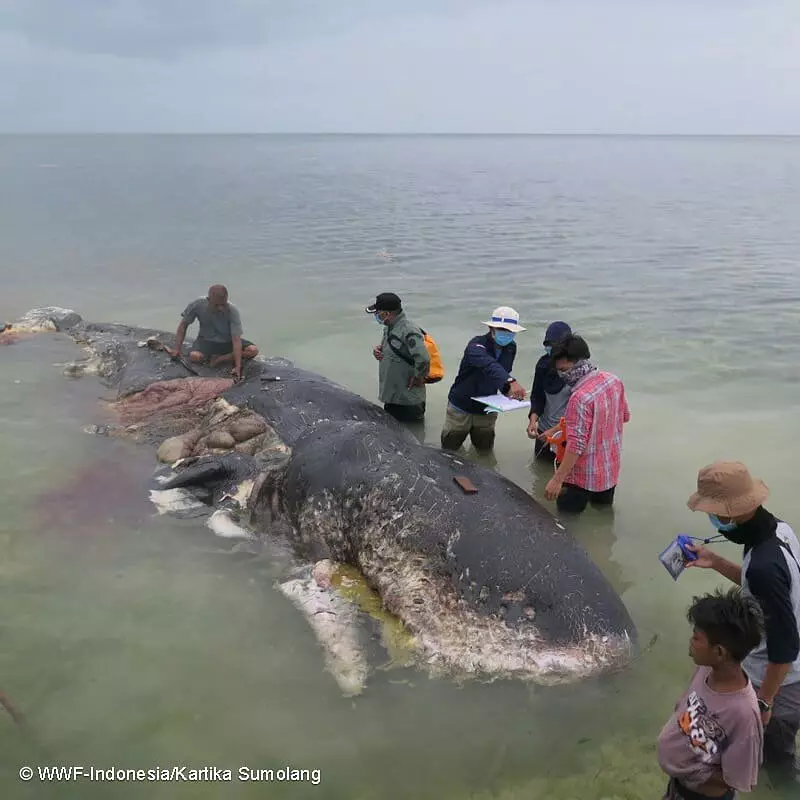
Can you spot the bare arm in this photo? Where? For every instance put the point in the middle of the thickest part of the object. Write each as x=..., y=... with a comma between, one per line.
x=579, y=419
x=729, y=570
x=565, y=467
x=773, y=679
x=180, y=335
x=237, y=354
x=708, y=559
x=554, y=485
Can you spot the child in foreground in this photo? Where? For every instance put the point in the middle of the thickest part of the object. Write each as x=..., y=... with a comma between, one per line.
x=712, y=744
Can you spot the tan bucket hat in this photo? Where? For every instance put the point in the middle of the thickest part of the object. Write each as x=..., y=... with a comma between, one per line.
x=726, y=489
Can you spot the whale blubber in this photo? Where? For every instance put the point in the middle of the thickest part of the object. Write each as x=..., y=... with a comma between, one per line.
x=399, y=642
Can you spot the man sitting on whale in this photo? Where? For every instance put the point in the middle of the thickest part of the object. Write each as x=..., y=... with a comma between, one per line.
x=219, y=339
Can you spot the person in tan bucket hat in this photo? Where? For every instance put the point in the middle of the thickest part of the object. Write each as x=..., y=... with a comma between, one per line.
x=770, y=572
x=725, y=489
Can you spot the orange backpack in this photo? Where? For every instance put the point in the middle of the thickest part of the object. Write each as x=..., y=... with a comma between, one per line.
x=436, y=371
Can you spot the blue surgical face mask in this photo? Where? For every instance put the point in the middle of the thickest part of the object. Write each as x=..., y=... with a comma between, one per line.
x=548, y=349
x=721, y=526
x=378, y=319
x=503, y=337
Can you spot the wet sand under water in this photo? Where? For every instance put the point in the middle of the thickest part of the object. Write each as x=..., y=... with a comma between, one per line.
x=138, y=641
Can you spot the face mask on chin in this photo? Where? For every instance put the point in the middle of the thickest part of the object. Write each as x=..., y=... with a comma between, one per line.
x=379, y=319
x=730, y=530
x=722, y=527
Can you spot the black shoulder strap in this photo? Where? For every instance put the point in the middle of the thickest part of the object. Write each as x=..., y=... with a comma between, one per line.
x=407, y=359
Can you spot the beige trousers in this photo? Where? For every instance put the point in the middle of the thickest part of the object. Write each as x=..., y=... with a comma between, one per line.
x=457, y=426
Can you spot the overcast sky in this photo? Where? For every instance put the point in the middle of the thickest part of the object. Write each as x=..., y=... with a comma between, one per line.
x=640, y=66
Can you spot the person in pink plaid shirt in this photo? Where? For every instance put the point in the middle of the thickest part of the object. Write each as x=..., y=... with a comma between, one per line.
x=596, y=411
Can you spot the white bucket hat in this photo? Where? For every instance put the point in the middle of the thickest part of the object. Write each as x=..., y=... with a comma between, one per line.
x=505, y=317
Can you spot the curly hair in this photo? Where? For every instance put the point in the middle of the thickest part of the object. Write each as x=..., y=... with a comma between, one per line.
x=730, y=619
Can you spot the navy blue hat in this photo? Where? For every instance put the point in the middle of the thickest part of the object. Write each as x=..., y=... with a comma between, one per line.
x=556, y=331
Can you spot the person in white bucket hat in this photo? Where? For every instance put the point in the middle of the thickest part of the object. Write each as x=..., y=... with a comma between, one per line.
x=505, y=318
x=485, y=369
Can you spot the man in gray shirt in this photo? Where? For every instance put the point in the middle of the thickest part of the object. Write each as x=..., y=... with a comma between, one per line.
x=219, y=340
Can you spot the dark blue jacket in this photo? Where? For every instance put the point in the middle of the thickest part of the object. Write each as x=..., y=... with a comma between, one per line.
x=545, y=381
x=481, y=373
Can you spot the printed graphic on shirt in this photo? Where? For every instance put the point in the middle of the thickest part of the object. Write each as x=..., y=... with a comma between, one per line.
x=706, y=736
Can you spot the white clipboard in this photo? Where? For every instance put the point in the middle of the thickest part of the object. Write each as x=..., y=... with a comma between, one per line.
x=500, y=403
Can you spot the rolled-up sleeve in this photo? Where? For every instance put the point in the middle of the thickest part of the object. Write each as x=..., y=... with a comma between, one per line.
x=579, y=416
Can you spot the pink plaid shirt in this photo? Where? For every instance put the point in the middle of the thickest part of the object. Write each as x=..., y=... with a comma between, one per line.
x=596, y=412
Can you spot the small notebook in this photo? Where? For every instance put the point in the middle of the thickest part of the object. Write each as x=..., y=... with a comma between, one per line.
x=499, y=402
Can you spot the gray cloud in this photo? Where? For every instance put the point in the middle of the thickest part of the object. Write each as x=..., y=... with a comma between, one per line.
x=168, y=28
x=149, y=27
x=428, y=65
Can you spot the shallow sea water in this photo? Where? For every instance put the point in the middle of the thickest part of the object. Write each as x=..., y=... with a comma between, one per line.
x=134, y=640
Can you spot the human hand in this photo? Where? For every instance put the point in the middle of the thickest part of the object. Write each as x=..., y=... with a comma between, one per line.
x=516, y=391
x=765, y=717
x=415, y=382
x=378, y=353
x=170, y=352
x=548, y=432
x=553, y=488
x=533, y=427
x=237, y=373
x=705, y=558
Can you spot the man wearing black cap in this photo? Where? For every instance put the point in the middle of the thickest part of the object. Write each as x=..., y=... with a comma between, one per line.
x=549, y=394
x=403, y=360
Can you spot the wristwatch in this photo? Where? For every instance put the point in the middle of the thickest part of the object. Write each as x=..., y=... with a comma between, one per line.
x=764, y=706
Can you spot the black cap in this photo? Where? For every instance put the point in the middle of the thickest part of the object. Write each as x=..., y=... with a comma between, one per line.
x=388, y=301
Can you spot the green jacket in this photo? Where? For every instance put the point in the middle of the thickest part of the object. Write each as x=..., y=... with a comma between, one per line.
x=394, y=372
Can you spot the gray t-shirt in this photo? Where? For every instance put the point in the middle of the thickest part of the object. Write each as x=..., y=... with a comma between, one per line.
x=555, y=407
x=215, y=326
x=713, y=734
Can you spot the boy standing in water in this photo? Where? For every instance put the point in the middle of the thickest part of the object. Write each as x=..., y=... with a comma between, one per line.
x=712, y=744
